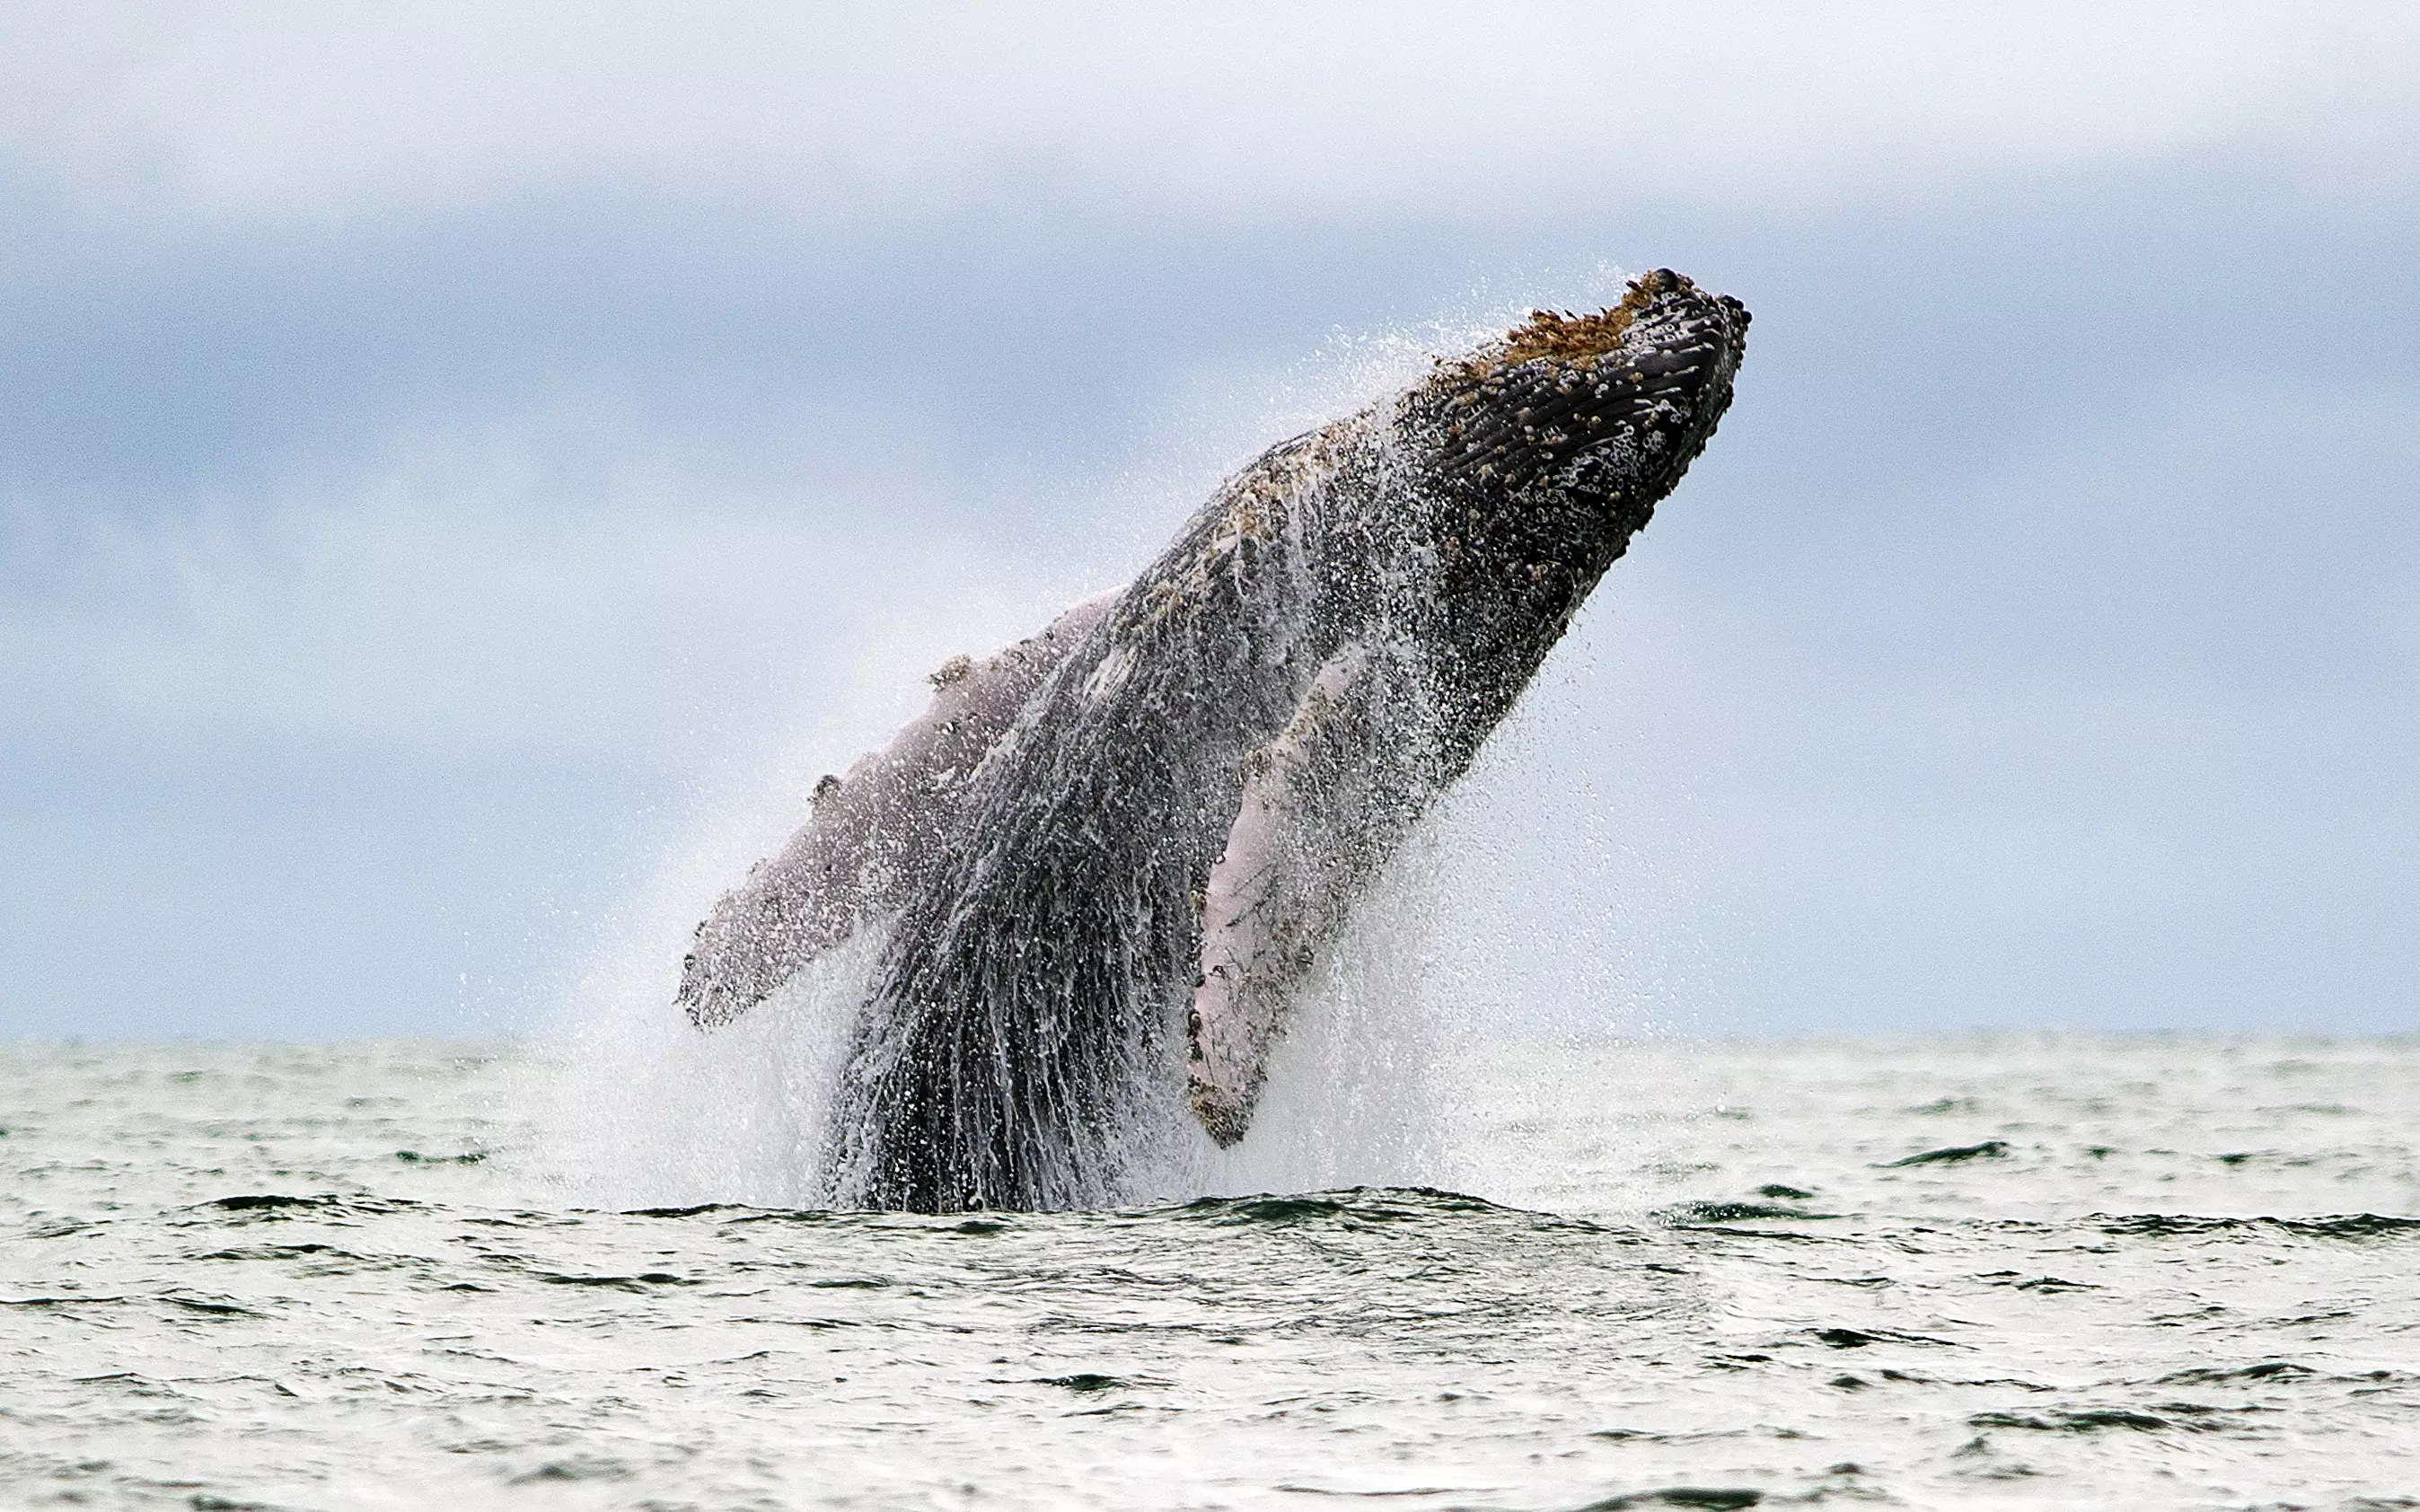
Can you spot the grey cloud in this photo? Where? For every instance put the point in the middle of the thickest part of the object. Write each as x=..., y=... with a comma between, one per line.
x=301, y=115
x=553, y=589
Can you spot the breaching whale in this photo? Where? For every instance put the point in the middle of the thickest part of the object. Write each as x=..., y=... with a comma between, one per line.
x=1105, y=860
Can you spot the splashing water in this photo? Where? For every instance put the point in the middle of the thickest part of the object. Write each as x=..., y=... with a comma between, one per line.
x=1374, y=1082
x=1259, y=723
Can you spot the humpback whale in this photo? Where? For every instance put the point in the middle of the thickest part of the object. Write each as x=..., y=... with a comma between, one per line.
x=1109, y=858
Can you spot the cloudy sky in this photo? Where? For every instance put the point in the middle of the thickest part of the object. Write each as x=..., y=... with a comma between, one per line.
x=464, y=468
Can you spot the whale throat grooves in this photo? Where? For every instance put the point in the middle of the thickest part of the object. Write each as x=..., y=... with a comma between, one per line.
x=1109, y=857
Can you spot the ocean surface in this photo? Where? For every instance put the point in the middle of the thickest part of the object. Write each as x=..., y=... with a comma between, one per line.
x=2022, y=1270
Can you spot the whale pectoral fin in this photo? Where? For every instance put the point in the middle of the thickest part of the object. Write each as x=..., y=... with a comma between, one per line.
x=872, y=834
x=1324, y=804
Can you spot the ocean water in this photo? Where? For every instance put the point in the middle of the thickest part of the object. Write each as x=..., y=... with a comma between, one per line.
x=2029, y=1271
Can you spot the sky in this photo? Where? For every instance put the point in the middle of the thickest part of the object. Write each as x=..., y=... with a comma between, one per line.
x=465, y=469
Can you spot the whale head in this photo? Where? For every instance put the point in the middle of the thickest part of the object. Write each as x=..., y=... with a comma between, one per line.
x=1585, y=420
x=1540, y=455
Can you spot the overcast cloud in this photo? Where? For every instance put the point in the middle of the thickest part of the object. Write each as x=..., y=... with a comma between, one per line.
x=301, y=112
x=461, y=465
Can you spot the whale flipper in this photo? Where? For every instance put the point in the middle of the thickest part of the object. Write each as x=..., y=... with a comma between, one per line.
x=1324, y=804
x=872, y=833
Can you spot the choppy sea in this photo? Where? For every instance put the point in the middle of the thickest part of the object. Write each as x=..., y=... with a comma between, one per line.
x=2022, y=1270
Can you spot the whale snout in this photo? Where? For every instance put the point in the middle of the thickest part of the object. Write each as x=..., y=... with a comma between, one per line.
x=1608, y=406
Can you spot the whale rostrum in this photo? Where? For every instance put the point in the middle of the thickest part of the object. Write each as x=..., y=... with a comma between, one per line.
x=1109, y=858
